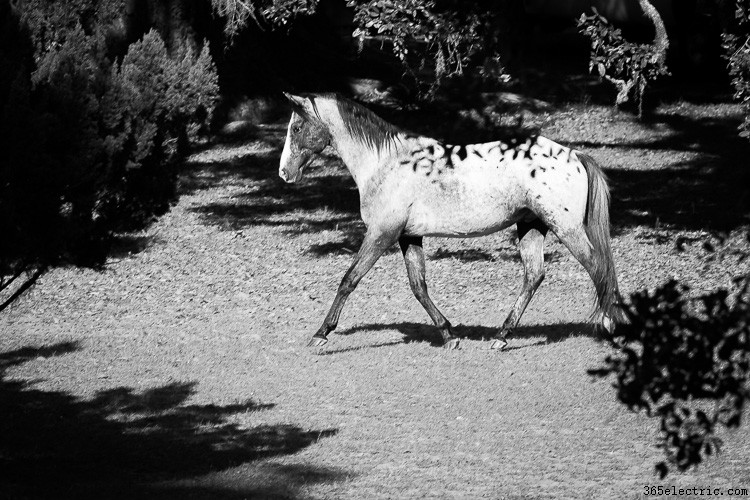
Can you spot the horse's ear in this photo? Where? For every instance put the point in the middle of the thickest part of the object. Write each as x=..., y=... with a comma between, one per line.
x=303, y=106
x=295, y=100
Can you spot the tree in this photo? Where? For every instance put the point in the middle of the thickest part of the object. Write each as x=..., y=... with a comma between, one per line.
x=433, y=39
x=22, y=224
x=685, y=361
x=629, y=66
x=89, y=145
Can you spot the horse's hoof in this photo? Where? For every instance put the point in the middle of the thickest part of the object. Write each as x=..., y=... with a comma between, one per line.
x=317, y=342
x=451, y=344
x=499, y=344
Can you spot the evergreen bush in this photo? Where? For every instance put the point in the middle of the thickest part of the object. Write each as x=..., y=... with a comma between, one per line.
x=89, y=146
x=154, y=105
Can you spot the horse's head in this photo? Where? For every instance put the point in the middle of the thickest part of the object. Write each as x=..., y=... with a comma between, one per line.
x=306, y=136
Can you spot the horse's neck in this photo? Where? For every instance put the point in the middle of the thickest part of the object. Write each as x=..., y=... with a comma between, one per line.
x=361, y=160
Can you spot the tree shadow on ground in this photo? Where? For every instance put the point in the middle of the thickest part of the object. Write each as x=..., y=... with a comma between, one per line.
x=127, y=444
x=326, y=198
x=709, y=192
x=423, y=332
x=125, y=245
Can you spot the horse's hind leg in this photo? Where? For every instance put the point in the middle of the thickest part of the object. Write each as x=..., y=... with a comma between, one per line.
x=373, y=246
x=411, y=248
x=531, y=245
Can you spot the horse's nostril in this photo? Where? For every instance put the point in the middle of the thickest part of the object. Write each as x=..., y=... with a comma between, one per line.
x=288, y=178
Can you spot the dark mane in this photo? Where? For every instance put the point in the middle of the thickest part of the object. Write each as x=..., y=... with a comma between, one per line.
x=361, y=123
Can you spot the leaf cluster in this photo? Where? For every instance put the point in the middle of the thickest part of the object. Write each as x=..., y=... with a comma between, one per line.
x=687, y=362
x=736, y=43
x=276, y=13
x=282, y=12
x=614, y=57
x=422, y=34
x=433, y=39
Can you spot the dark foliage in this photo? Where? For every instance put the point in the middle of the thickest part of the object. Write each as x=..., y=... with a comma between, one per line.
x=683, y=360
x=687, y=362
x=29, y=224
x=632, y=66
x=154, y=104
x=446, y=38
x=433, y=41
x=89, y=146
x=437, y=42
x=737, y=46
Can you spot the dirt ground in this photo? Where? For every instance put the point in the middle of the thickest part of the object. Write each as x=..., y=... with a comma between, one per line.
x=180, y=370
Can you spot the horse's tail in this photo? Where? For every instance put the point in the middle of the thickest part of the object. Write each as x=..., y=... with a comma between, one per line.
x=596, y=225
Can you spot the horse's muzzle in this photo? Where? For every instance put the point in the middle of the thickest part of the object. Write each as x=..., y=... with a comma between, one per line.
x=284, y=176
x=301, y=163
x=290, y=179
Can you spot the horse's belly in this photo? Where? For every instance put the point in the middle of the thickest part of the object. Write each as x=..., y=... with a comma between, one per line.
x=471, y=217
x=452, y=231
x=469, y=200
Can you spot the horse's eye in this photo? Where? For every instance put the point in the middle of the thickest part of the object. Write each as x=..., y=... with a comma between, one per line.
x=296, y=129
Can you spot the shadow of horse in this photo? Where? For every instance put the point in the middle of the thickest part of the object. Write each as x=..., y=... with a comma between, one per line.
x=422, y=332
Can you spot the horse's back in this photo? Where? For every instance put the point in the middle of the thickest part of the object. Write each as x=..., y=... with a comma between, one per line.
x=478, y=189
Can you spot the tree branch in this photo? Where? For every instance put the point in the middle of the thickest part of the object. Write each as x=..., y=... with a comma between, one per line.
x=25, y=286
x=236, y=12
x=5, y=284
x=661, y=41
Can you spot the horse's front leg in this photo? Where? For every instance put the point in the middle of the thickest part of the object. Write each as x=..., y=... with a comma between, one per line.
x=376, y=242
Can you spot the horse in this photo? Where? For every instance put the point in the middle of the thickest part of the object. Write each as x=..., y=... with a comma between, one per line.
x=412, y=186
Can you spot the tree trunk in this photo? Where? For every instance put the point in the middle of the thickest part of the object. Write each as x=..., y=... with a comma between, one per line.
x=661, y=41
x=659, y=57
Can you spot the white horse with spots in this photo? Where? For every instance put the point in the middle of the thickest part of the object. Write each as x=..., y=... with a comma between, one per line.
x=412, y=186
